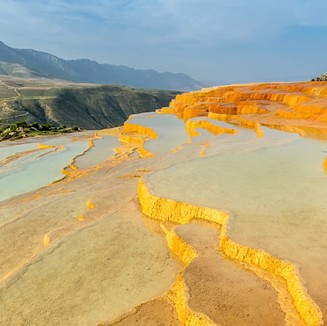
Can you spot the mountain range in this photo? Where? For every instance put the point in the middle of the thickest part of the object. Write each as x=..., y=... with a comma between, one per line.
x=32, y=63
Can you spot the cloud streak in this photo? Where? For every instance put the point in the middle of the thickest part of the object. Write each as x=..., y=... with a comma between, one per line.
x=163, y=34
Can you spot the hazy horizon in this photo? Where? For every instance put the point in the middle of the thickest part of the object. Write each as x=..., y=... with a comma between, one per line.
x=215, y=42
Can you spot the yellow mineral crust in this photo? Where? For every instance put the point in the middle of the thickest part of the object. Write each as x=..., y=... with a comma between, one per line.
x=220, y=116
x=246, y=107
x=305, y=102
x=324, y=165
x=185, y=252
x=130, y=127
x=296, y=130
x=71, y=168
x=80, y=218
x=45, y=146
x=137, y=140
x=16, y=156
x=275, y=105
x=250, y=124
x=165, y=209
x=127, y=138
x=237, y=120
x=90, y=204
x=144, y=153
x=134, y=133
x=108, y=132
x=178, y=294
x=165, y=110
x=192, y=125
x=46, y=240
x=292, y=115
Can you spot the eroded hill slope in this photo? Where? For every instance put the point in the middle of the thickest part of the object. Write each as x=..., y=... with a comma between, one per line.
x=84, y=105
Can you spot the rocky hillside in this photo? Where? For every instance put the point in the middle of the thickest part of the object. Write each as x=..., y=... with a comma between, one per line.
x=85, y=106
x=31, y=63
x=322, y=77
x=22, y=130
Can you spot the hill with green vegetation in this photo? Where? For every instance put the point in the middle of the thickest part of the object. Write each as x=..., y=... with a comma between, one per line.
x=32, y=63
x=22, y=130
x=87, y=106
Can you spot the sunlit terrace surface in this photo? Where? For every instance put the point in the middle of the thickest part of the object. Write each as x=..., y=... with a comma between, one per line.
x=209, y=212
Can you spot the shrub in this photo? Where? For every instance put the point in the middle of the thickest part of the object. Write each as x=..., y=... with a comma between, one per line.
x=21, y=124
x=35, y=125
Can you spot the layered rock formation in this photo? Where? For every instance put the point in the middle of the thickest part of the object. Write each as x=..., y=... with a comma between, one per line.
x=233, y=226
x=277, y=103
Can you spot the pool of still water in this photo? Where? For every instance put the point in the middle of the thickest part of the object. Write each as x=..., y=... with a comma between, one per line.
x=170, y=130
x=36, y=169
x=102, y=150
x=275, y=191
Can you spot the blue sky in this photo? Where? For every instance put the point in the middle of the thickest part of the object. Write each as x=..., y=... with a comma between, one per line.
x=215, y=41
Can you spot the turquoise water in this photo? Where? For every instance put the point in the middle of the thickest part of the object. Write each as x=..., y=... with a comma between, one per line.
x=275, y=191
x=101, y=151
x=36, y=170
x=170, y=130
x=18, y=163
x=9, y=150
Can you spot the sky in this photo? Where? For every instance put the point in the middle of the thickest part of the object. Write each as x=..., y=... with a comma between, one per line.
x=214, y=41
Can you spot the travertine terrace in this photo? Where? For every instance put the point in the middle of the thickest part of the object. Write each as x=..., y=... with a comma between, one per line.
x=211, y=211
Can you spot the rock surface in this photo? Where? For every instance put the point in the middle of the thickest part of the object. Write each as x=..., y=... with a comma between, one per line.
x=226, y=227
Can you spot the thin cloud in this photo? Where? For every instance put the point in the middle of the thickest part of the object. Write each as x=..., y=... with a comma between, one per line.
x=178, y=35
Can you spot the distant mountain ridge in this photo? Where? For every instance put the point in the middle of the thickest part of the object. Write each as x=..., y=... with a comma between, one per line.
x=32, y=63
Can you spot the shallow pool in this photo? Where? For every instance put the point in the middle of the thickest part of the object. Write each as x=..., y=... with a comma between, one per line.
x=102, y=150
x=275, y=190
x=37, y=170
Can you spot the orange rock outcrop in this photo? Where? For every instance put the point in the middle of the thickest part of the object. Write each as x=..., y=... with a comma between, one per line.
x=304, y=102
x=137, y=134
